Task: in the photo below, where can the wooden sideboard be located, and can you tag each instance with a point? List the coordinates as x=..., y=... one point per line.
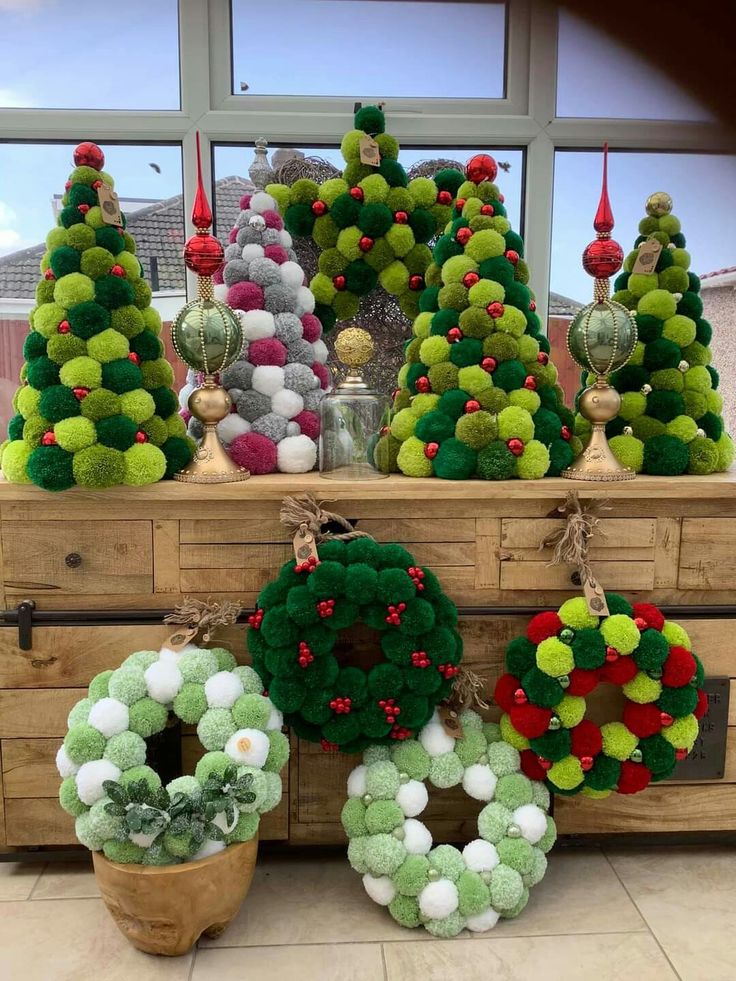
x=102, y=567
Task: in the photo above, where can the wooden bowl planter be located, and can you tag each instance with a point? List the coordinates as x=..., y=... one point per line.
x=165, y=909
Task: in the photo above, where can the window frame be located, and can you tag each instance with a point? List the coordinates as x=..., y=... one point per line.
x=524, y=118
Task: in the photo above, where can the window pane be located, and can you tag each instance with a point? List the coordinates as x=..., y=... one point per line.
x=354, y=47
x=89, y=55
x=703, y=188
x=32, y=178
x=597, y=76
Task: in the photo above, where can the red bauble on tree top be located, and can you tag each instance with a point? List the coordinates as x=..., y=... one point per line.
x=603, y=257
x=203, y=254
x=481, y=167
x=88, y=154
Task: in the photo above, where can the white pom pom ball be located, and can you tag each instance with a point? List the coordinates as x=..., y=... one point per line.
x=292, y=274
x=164, y=680
x=321, y=354
x=438, y=899
x=479, y=781
x=532, y=821
x=64, y=765
x=166, y=653
x=417, y=837
x=286, y=240
x=222, y=690
x=356, y=781
x=252, y=251
x=220, y=291
x=261, y=202
x=287, y=403
x=208, y=848
x=184, y=396
x=109, y=716
x=296, y=454
x=258, y=324
x=435, y=740
x=249, y=746
x=275, y=719
x=304, y=301
x=231, y=426
x=268, y=379
x=381, y=890
x=143, y=841
x=482, y=921
x=480, y=855
x=90, y=778
x=412, y=797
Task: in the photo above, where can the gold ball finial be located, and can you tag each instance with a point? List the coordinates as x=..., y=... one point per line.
x=659, y=204
x=354, y=347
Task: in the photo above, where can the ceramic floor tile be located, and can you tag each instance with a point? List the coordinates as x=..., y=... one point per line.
x=67, y=880
x=73, y=939
x=358, y=962
x=688, y=898
x=17, y=879
x=603, y=957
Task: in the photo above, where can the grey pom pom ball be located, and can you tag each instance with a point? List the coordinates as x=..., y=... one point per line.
x=299, y=378
x=271, y=237
x=288, y=328
x=301, y=351
x=279, y=299
x=271, y=425
x=251, y=405
x=247, y=235
x=264, y=271
x=312, y=399
x=236, y=271
x=232, y=251
x=238, y=375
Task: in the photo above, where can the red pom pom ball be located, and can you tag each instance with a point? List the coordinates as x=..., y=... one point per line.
x=542, y=626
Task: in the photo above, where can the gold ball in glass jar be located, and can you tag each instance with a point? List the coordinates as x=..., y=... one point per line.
x=354, y=346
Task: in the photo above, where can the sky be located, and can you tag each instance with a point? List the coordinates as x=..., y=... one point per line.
x=143, y=73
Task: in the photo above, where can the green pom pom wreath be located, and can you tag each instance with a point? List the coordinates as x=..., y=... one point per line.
x=105, y=748
x=481, y=352
x=88, y=354
x=670, y=376
x=370, y=224
x=295, y=628
x=562, y=659
x=441, y=887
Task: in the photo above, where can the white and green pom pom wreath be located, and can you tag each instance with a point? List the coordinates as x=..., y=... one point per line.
x=442, y=887
x=235, y=722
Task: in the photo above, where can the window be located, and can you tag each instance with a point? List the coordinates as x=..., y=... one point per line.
x=89, y=55
x=148, y=180
x=597, y=77
x=354, y=47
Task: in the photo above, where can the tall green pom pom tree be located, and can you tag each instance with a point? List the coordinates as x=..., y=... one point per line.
x=478, y=394
x=372, y=224
x=95, y=406
x=670, y=421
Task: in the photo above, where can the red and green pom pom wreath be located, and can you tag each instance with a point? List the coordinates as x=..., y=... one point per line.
x=294, y=633
x=562, y=658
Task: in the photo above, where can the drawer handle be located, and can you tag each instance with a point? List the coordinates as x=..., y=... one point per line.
x=73, y=560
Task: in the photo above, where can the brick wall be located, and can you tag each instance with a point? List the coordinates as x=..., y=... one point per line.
x=719, y=307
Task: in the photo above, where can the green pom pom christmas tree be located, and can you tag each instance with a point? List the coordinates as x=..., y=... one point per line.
x=478, y=393
x=670, y=419
x=95, y=406
x=372, y=224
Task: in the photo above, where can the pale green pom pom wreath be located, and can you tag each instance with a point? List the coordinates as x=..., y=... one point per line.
x=105, y=749
x=441, y=887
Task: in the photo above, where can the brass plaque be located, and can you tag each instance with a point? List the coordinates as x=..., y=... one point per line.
x=708, y=757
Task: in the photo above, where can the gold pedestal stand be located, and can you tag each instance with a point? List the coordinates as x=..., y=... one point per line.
x=598, y=404
x=211, y=464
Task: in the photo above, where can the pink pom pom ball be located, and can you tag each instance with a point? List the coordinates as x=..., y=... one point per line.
x=233, y=236
x=245, y=201
x=255, y=452
x=273, y=220
x=277, y=253
x=217, y=276
x=308, y=423
x=311, y=328
x=268, y=350
x=245, y=296
x=322, y=373
x=186, y=415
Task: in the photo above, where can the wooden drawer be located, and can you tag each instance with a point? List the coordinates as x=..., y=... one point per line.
x=708, y=554
x=77, y=557
x=622, y=551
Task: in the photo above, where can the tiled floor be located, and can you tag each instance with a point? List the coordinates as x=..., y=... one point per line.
x=629, y=914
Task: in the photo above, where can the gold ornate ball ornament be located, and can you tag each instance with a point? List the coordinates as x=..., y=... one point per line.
x=354, y=347
x=659, y=204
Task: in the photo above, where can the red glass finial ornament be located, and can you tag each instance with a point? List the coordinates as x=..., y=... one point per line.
x=88, y=154
x=203, y=254
x=603, y=257
x=481, y=167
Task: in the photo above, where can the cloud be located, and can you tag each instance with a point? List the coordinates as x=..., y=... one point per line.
x=7, y=215
x=23, y=6
x=13, y=99
x=9, y=240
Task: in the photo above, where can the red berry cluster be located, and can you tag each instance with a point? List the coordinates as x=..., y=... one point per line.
x=309, y=565
x=394, y=614
x=326, y=608
x=390, y=708
x=256, y=619
x=305, y=654
x=448, y=670
x=399, y=732
x=416, y=577
x=328, y=747
x=341, y=705
x=419, y=659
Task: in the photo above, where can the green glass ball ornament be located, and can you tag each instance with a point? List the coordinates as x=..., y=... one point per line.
x=554, y=723
x=567, y=635
x=564, y=681
x=513, y=831
x=602, y=337
x=207, y=335
x=636, y=756
x=433, y=875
